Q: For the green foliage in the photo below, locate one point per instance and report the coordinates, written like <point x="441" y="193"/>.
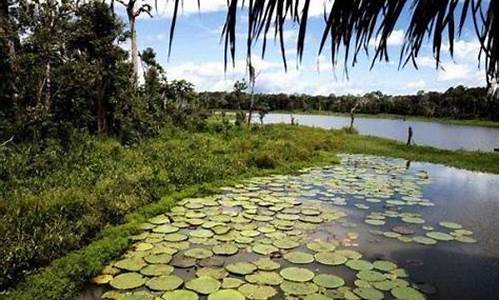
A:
<point x="456" y="103"/>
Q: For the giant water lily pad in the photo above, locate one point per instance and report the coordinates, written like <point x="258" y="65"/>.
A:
<point x="450" y="225"/>
<point x="264" y="249"/>
<point x="225" y="249"/>
<point x="370" y="275"/>
<point x="101" y="279"/>
<point x="166" y="228"/>
<point x="127" y="281"/>
<point x="266" y="264"/>
<point x="231" y="283"/>
<point x="440" y="236"/>
<point x="384" y="265"/>
<point x="369" y="293"/>
<point x="359" y="264"/>
<point x="198" y="253"/>
<point x="321" y="246"/>
<point x="226" y="295"/>
<point x="180" y="295"/>
<point x="298" y="288"/>
<point x="164" y="283"/>
<point x="299" y="257"/>
<point x="264" y="278"/>
<point x="241" y="268"/>
<point x="328" y="281"/>
<point x="424" y="240"/>
<point x="157" y="270"/>
<point x="216" y="273"/>
<point x="257" y="292"/>
<point x="407" y="293"/>
<point x="158" y="259"/>
<point x="316" y="297"/>
<point x="286" y="244"/>
<point x="175" y="237"/>
<point x="297" y="274"/>
<point x="330" y="258"/>
<point x="182" y="262"/>
<point x="201" y="233"/>
<point x="131" y="264"/>
<point x="203" y="285"/>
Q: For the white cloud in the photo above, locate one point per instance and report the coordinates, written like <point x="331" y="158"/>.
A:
<point x="419" y="84"/>
<point x="466" y="72"/>
<point x="396" y="38"/>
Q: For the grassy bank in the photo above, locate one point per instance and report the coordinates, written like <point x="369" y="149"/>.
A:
<point x="57" y="202"/>
<point x="460" y="122"/>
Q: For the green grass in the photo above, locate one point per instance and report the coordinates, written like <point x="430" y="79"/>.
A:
<point x="460" y="122"/>
<point x="83" y="204"/>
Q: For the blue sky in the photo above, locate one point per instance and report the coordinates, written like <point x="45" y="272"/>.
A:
<point x="197" y="55"/>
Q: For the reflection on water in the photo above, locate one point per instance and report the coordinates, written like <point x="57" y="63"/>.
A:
<point x="443" y="136"/>
<point x="388" y="190"/>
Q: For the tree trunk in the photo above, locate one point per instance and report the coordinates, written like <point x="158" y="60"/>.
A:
<point x="48" y="87"/>
<point x="250" y="109"/>
<point x="133" y="46"/>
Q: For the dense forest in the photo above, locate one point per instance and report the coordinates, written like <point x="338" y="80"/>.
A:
<point x="455" y="103"/>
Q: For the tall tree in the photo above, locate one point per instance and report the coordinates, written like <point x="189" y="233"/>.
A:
<point x="134" y="10"/>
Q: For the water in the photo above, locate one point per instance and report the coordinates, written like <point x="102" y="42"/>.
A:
<point x="455" y="270"/>
<point x="439" y="135"/>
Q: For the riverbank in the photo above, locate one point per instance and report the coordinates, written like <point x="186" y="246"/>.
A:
<point x="80" y="197"/>
<point x="460" y="122"/>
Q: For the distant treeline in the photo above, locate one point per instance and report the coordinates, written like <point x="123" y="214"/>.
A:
<point x="456" y="103"/>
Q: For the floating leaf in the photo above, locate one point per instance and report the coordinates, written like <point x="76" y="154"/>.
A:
<point x="225" y="249"/>
<point x="359" y="265"/>
<point x="226" y="295"/>
<point x="369" y="293"/>
<point x="298" y="288"/>
<point x="297" y="274"/>
<point x="127" y="281"/>
<point x="330" y="258"/>
<point x="198" y="253"/>
<point x="204" y="285"/>
<point x="231" y="283"/>
<point x="180" y="295"/>
<point x="257" y="292"/>
<point x="299" y="257"/>
<point x="164" y="283"/>
<point x="241" y="268"/>
<point x="407" y="293"/>
<point x="328" y="281"/>
<point x="131" y="264"/>
<point x="157" y="270"/>
<point x="264" y="278"/>
<point x="384" y="265"/>
<point x="216" y="273"/>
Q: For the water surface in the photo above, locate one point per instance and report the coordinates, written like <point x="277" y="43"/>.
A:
<point x="439" y="135"/>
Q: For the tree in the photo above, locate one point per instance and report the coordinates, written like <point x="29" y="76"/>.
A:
<point x="133" y="12"/>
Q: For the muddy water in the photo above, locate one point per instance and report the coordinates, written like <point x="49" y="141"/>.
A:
<point x="449" y="270"/>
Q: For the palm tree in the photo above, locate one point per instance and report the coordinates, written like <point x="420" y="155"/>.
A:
<point x="352" y="24"/>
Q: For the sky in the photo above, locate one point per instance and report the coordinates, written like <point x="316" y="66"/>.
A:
<point x="198" y="56"/>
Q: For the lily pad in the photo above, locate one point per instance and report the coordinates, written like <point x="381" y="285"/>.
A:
<point x="370" y="275"/>
<point x="226" y="295"/>
<point x="450" y="225"/>
<point x="407" y="293"/>
<point x="321" y="246"/>
<point x="298" y="288"/>
<point x="231" y="283"/>
<point x="225" y="249"/>
<point x="424" y="240"/>
<point x="266" y="264"/>
<point x="264" y="278"/>
<point x="257" y="292"/>
<point x="183" y="262"/>
<point x="264" y="249"/>
<point x="330" y="258"/>
<point x="130" y="264"/>
<point x="101" y="279"/>
<point x="328" y="281"/>
<point x="166" y="228"/>
<point x="158" y="258"/>
<point x="297" y="274"/>
<point x="175" y="237"/>
<point x="317" y="297"/>
<point x="286" y="244"/>
<point x="440" y="236"/>
<point x="241" y="268"/>
<point x="157" y="270"/>
<point x="216" y="273"/>
<point x="127" y="281"/>
<point x="359" y="264"/>
<point x="369" y="293"/>
<point x="203" y="285"/>
<point x="384" y="265"/>
<point x="198" y="253"/>
<point x="180" y="295"/>
<point x="299" y="257"/>
<point x="164" y="283"/>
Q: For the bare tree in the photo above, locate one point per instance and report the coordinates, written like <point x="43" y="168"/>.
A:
<point x="134" y="10"/>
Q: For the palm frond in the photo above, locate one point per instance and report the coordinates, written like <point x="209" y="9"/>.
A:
<point x="352" y="25"/>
